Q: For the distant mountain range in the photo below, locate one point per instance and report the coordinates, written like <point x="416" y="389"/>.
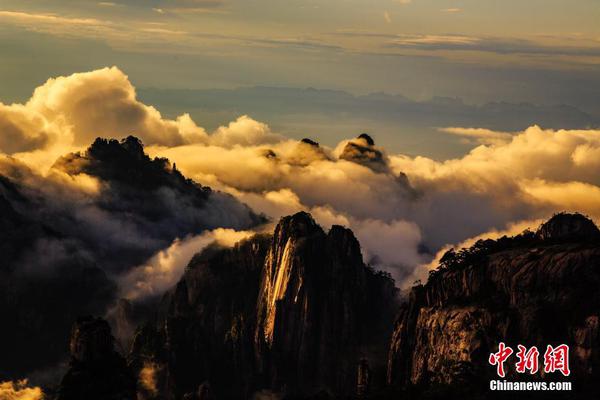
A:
<point x="401" y="124"/>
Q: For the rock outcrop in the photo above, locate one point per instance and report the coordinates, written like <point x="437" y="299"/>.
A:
<point x="294" y="313"/>
<point x="533" y="289"/>
<point x="205" y="326"/>
<point x="312" y="309"/>
<point x="362" y="151"/>
<point x="96" y="370"/>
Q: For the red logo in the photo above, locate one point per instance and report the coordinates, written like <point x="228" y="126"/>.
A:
<point x="528" y="360"/>
<point x="556" y="359"/>
<point x="498" y="359"/>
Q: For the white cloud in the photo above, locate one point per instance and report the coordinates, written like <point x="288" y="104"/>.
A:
<point x="165" y="268"/>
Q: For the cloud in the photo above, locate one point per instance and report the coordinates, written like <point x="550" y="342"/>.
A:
<point x="164" y="269"/>
<point x="67" y="113"/>
<point x="81" y="217"/>
<point x="19" y="391"/>
<point x="172" y="4"/>
<point x="243" y="132"/>
<point x="488" y="44"/>
<point x="386" y="17"/>
<point x="479" y="135"/>
<point x="59" y="25"/>
<point x="25" y="17"/>
<point x="435" y="40"/>
<point x="391" y="201"/>
<point x="423" y="204"/>
<point x="451" y="10"/>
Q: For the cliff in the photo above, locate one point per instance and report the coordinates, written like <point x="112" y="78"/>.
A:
<point x="533" y="289"/>
<point x="96" y="371"/>
<point x="294" y="313"/>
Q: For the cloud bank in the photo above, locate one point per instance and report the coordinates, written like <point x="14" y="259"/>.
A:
<point x="403" y="209"/>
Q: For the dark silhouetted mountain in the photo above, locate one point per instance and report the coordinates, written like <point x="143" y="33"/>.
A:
<point x="294" y="313"/>
<point x="310" y="141"/>
<point x="565" y="226"/>
<point x="96" y="370"/>
<point x="151" y="197"/>
<point x="61" y="251"/>
<point x="362" y="151"/>
<point x="533" y="289"/>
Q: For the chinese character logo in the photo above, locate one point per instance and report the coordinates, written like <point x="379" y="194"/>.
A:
<point x="556" y="359"/>
<point x="528" y="360"/>
<point x="498" y="359"/>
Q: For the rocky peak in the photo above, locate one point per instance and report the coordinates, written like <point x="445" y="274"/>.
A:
<point x="295" y="226"/>
<point x="565" y="226"/>
<point x="312" y="308"/>
<point x="529" y="289"/>
<point x="125" y="162"/>
<point x="310" y="142"/>
<point x="294" y="313"/>
<point x="91" y="340"/>
<point x="96" y="370"/>
<point x="367" y="138"/>
<point x="362" y="151"/>
<point x="134" y="147"/>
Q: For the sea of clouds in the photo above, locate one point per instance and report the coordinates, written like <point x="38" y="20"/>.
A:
<point x="404" y="210"/>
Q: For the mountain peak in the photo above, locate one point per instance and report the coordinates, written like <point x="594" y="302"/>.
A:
<point x="568" y="226"/>
<point x="91" y="340"/>
<point x="367" y="138"/>
<point x="310" y="142"/>
<point x="96" y="371"/>
<point x="362" y="151"/>
<point x="299" y="224"/>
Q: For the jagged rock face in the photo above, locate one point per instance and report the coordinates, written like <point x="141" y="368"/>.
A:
<point x="205" y="327"/>
<point x="526" y="290"/>
<point x="96" y="370"/>
<point x="312" y="297"/>
<point x="293" y="313"/>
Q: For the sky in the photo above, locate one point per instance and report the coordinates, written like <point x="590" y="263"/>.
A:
<point x="535" y="52"/>
<point x="540" y="51"/>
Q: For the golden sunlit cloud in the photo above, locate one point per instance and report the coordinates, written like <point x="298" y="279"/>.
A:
<point x="390" y="201"/>
<point x="479" y="135"/>
<point x="163" y="270"/>
<point x="19" y="391"/>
